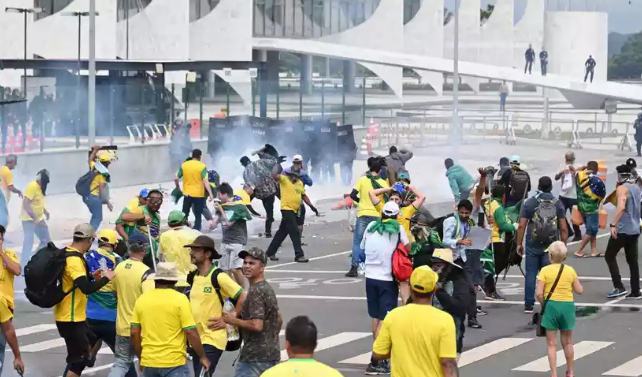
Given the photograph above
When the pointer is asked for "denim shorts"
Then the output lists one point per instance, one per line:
(381, 296)
(591, 223)
(253, 369)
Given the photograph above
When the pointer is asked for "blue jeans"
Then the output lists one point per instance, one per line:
(30, 228)
(124, 357)
(212, 353)
(252, 369)
(95, 206)
(358, 254)
(3, 345)
(182, 371)
(536, 259)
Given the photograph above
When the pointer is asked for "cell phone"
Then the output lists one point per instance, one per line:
(19, 371)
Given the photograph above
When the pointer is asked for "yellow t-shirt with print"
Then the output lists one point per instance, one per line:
(245, 197)
(134, 203)
(291, 193)
(172, 246)
(33, 192)
(72, 308)
(6, 313)
(6, 279)
(193, 172)
(405, 214)
(364, 186)
(422, 335)
(129, 285)
(301, 368)
(564, 289)
(163, 315)
(94, 186)
(6, 180)
(490, 207)
(206, 305)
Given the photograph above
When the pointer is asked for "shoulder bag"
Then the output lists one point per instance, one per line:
(537, 317)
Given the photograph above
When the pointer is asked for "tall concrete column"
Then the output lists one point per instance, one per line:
(349, 69)
(211, 88)
(273, 62)
(306, 74)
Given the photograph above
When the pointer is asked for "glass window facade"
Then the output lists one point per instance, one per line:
(201, 8)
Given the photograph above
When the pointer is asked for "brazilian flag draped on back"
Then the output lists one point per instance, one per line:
(235, 210)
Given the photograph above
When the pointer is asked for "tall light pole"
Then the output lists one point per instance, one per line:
(78, 15)
(25, 12)
(92, 73)
(455, 120)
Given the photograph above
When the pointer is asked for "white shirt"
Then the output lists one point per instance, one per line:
(570, 193)
(379, 249)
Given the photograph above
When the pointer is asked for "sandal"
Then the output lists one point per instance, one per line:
(598, 255)
(579, 255)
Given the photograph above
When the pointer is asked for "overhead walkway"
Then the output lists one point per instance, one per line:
(603, 89)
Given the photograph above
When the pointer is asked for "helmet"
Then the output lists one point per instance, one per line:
(104, 156)
(108, 236)
(143, 193)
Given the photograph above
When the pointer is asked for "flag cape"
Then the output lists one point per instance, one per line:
(235, 210)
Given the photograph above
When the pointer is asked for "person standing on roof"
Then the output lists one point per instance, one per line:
(516, 182)
(543, 61)
(637, 126)
(195, 185)
(99, 161)
(589, 65)
(529, 55)
(396, 163)
(461, 183)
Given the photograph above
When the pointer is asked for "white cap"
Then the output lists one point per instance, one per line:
(297, 158)
(391, 209)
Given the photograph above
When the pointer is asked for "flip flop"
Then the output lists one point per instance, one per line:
(579, 255)
(598, 255)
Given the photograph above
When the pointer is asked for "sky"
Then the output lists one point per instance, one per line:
(624, 18)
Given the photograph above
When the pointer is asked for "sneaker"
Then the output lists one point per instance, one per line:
(385, 366)
(494, 297)
(301, 260)
(474, 324)
(528, 309)
(273, 258)
(352, 273)
(372, 370)
(617, 292)
(634, 296)
(481, 311)
(268, 235)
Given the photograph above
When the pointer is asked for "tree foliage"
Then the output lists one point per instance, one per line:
(484, 14)
(628, 63)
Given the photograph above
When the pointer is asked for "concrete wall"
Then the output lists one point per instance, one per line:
(469, 30)
(530, 29)
(496, 38)
(63, 43)
(136, 165)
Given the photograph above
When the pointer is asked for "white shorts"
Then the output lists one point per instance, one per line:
(230, 257)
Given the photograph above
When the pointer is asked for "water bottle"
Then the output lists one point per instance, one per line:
(232, 331)
(361, 270)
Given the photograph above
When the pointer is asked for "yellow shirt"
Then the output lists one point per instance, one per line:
(94, 186)
(417, 338)
(6, 313)
(72, 308)
(564, 289)
(6, 180)
(172, 246)
(134, 203)
(33, 192)
(245, 197)
(301, 368)
(6, 279)
(291, 193)
(405, 214)
(129, 286)
(163, 315)
(206, 304)
(193, 172)
(364, 186)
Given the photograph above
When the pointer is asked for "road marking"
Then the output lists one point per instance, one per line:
(363, 359)
(632, 368)
(35, 329)
(334, 341)
(311, 259)
(582, 349)
(598, 236)
(490, 349)
(615, 301)
(43, 346)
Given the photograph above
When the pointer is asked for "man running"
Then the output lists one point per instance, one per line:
(234, 232)
(590, 193)
(98, 161)
(195, 184)
(9, 269)
(258, 174)
(6, 177)
(625, 232)
(461, 183)
(33, 215)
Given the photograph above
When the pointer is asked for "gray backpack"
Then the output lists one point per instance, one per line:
(544, 222)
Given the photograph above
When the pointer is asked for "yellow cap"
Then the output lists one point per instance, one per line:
(108, 236)
(423, 279)
(104, 156)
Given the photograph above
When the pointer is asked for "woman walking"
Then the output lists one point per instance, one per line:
(560, 307)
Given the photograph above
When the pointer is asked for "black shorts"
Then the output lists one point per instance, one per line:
(78, 339)
(382, 296)
(300, 217)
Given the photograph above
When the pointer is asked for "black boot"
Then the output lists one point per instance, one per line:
(352, 273)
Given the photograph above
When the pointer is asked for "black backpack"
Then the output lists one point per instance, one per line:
(83, 185)
(43, 275)
(518, 184)
(231, 345)
(544, 222)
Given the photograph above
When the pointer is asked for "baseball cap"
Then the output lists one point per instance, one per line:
(423, 279)
(515, 159)
(138, 237)
(175, 217)
(255, 253)
(391, 209)
(166, 271)
(83, 231)
(206, 243)
(108, 236)
(143, 193)
(297, 158)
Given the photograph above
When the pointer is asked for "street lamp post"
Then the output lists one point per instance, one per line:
(25, 12)
(78, 15)
(455, 120)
